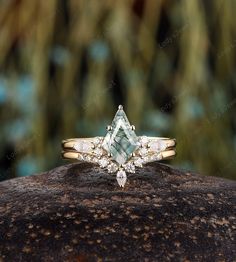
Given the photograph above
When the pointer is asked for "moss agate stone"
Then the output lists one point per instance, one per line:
(121, 141)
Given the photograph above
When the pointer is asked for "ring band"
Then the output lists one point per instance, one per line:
(121, 150)
(167, 154)
(84, 145)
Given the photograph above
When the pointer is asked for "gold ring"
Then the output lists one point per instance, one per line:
(121, 151)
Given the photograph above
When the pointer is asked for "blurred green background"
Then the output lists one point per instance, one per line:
(65, 66)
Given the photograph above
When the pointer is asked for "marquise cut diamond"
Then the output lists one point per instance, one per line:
(83, 146)
(121, 178)
(158, 145)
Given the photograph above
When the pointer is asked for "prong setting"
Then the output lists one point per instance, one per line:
(109, 128)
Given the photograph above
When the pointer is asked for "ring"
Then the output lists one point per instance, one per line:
(121, 151)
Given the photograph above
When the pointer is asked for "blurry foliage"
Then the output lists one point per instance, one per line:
(66, 65)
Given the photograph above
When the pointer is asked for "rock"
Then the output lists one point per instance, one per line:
(78, 212)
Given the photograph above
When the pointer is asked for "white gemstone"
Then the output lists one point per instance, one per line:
(121, 178)
(143, 151)
(129, 167)
(88, 158)
(83, 146)
(80, 157)
(139, 162)
(157, 145)
(144, 140)
(98, 151)
(95, 160)
(112, 168)
(146, 159)
(155, 157)
(103, 162)
(97, 141)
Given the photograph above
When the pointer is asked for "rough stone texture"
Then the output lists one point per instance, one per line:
(78, 213)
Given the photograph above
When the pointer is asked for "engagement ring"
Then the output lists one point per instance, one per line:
(121, 151)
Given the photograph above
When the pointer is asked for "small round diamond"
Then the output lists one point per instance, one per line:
(143, 151)
(129, 167)
(98, 151)
(97, 141)
(88, 158)
(144, 141)
(112, 168)
(103, 162)
(139, 162)
(95, 160)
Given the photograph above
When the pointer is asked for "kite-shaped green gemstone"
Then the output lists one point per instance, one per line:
(121, 141)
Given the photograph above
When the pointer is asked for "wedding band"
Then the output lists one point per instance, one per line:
(167, 154)
(121, 151)
(87, 144)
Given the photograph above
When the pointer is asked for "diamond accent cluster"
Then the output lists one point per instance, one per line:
(121, 151)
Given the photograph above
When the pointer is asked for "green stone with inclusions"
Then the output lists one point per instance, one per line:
(121, 141)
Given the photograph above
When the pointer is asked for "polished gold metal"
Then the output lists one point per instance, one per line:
(70, 155)
(168, 154)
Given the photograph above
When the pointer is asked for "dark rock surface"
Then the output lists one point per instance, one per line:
(77, 212)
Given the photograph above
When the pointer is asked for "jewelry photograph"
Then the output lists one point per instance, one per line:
(117, 131)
